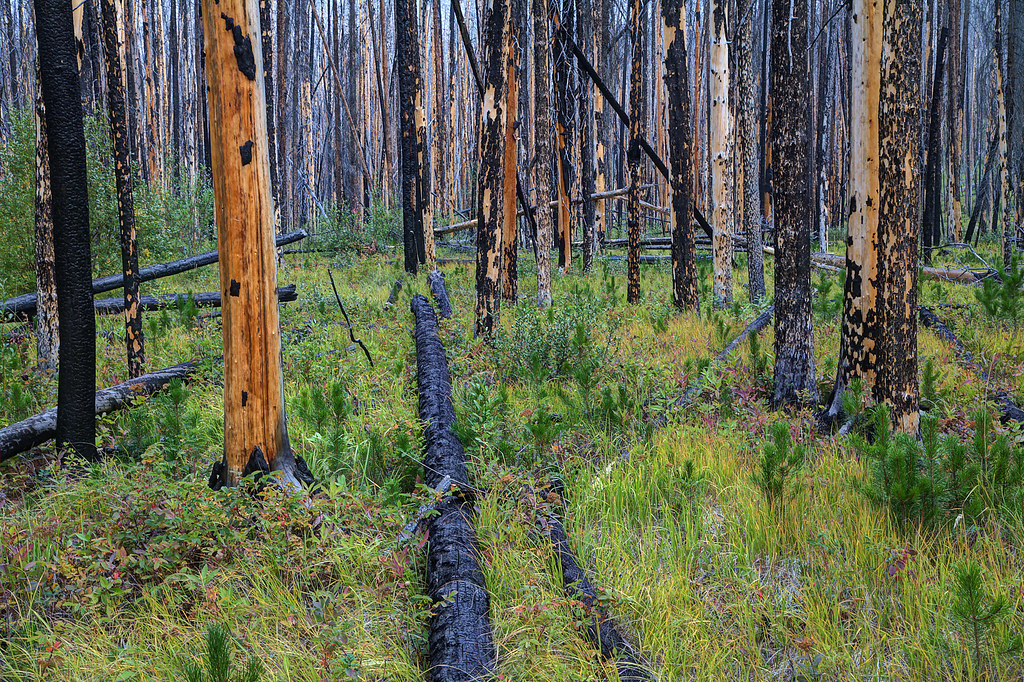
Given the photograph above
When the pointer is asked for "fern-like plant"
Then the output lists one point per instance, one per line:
(218, 661)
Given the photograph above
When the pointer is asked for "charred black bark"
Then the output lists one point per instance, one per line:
(21, 304)
(603, 635)
(436, 282)
(1010, 411)
(638, 104)
(931, 232)
(36, 430)
(135, 346)
(677, 89)
(461, 645)
(409, 87)
(76, 383)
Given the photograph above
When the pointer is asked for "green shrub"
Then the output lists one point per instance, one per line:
(1004, 300)
(780, 460)
(218, 661)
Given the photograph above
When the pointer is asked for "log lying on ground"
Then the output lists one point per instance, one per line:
(461, 645)
(602, 634)
(36, 430)
(1009, 409)
(203, 299)
(19, 305)
(444, 306)
(957, 276)
(393, 296)
(694, 389)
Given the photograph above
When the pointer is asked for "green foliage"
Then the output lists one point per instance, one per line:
(480, 419)
(978, 615)
(343, 231)
(1004, 300)
(780, 461)
(218, 661)
(827, 298)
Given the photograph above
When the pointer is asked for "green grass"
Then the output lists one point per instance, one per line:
(116, 575)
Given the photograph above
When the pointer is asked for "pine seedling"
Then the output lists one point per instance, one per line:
(218, 661)
(978, 613)
(780, 460)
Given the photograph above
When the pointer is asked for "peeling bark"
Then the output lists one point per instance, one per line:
(47, 331)
(637, 123)
(721, 157)
(542, 172)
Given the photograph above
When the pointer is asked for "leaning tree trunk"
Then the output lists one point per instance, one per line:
(133, 337)
(721, 156)
(490, 193)
(58, 74)
(858, 344)
(410, 88)
(748, 181)
(47, 331)
(637, 123)
(542, 173)
(790, 102)
(255, 432)
(684, 255)
(899, 218)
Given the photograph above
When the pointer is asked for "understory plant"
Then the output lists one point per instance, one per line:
(780, 461)
(218, 661)
(978, 615)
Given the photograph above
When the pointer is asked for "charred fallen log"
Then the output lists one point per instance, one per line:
(1009, 409)
(444, 306)
(36, 430)
(461, 645)
(20, 305)
(603, 635)
(203, 299)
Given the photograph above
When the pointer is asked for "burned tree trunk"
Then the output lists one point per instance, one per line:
(565, 114)
(587, 131)
(858, 344)
(461, 646)
(76, 383)
(790, 101)
(410, 88)
(491, 190)
(542, 173)
(509, 241)
(134, 341)
(721, 156)
(637, 121)
(931, 227)
(267, 41)
(684, 253)
(47, 330)
(747, 180)
(255, 432)
(899, 218)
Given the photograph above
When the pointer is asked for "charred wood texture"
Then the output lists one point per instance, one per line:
(410, 87)
(931, 229)
(461, 646)
(203, 299)
(436, 282)
(20, 304)
(58, 72)
(1009, 409)
(133, 337)
(491, 189)
(47, 332)
(790, 97)
(899, 219)
(638, 102)
(684, 254)
(36, 430)
(603, 635)
(542, 172)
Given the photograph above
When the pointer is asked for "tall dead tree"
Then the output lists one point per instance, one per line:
(931, 232)
(1004, 196)
(47, 330)
(790, 104)
(858, 345)
(112, 49)
(684, 255)
(747, 178)
(565, 115)
(721, 155)
(255, 432)
(65, 132)
(899, 217)
(491, 188)
(587, 133)
(509, 233)
(954, 125)
(410, 89)
(542, 170)
(637, 123)
(267, 42)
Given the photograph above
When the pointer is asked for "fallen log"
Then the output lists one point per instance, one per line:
(18, 305)
(460, 642)
(1009, 409)
(203, 299)
(694, 389)
(40, 428)
(957, 276)
(444, 306)
(393, 296)
(604, 636)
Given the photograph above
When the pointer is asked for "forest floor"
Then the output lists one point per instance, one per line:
(116, 574)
